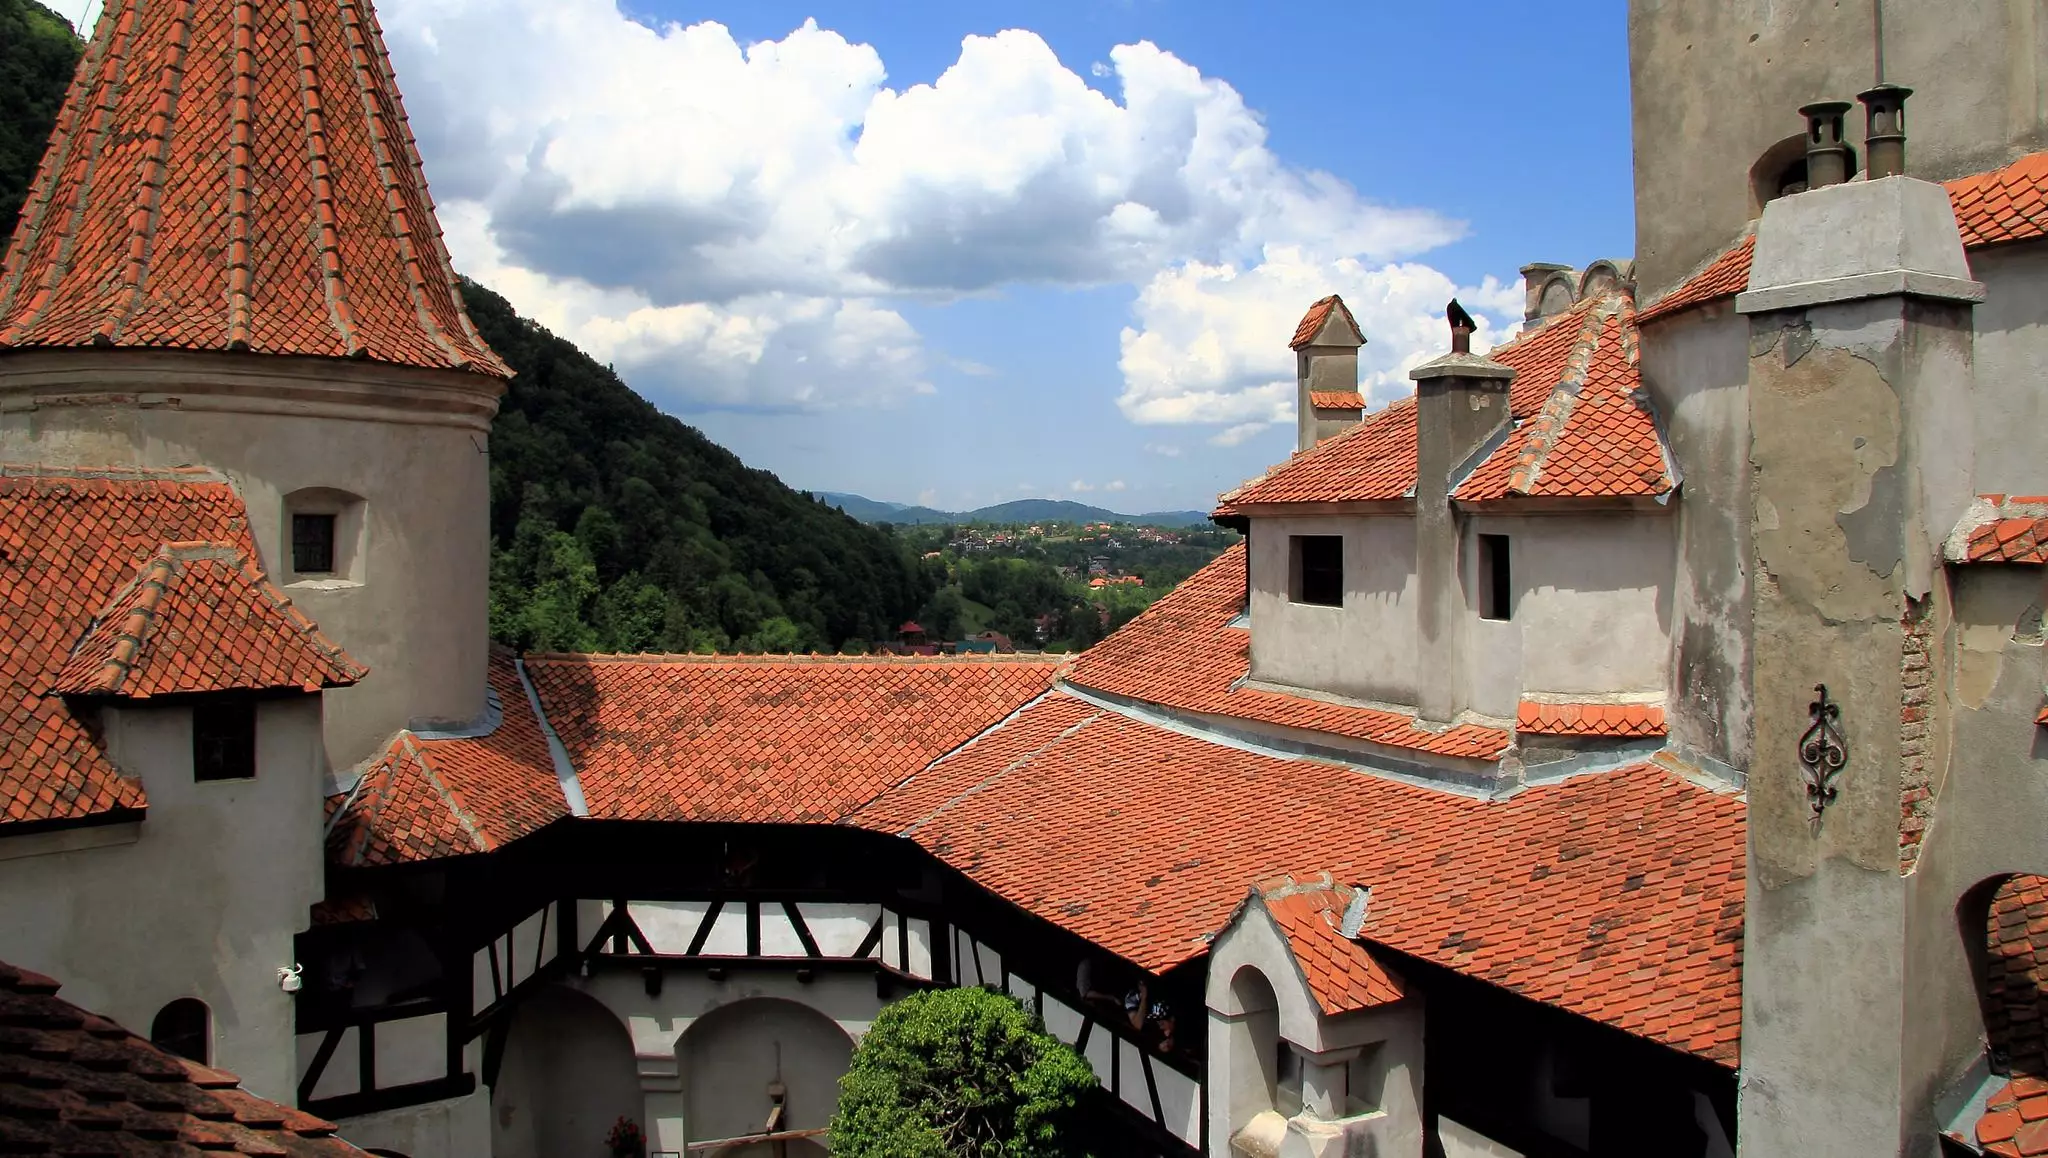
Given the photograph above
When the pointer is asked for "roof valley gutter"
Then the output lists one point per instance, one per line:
(565, 772)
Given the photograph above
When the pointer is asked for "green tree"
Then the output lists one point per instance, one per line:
(961, 1073)
(38, 52)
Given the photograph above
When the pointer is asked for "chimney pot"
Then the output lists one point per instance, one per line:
(1827, 155)
(1884, 134)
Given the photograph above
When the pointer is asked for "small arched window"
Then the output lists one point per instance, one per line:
(184, 1027)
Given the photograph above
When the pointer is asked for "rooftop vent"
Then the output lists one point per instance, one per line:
(1884, 137)
(1827, 155)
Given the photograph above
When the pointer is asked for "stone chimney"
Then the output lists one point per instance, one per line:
(1325, 347)
(1461, 403)
(1548, 289)
(1861, 355)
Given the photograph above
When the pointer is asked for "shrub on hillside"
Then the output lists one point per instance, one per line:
(961, 1073)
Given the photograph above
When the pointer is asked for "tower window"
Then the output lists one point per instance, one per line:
(1315, 569)
(224, 740)
(184, 1027)
(1495, 587)
(313, 544)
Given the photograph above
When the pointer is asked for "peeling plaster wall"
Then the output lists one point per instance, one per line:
(204, 903)
(1696, 367)
(1717, 82)
(2012, 365)
(1848, 1009)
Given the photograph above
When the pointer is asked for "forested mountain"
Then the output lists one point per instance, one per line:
(38, 52)
(1016, 511)
(615, 527)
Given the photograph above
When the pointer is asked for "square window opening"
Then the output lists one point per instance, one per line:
(313, 544)
(224, 740)
(1316, 569)
(1496, 588)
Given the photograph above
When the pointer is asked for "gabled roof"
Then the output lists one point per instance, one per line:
(201, 616)
(1319, 313)
(786, 739)
(2001, 529)
(427, 798)
(1341, 974)
(233, 176)
(73, 1082)
(70, 541)
(1582, 428)
(1616, 895)
(1182, 653)
(2007, 204)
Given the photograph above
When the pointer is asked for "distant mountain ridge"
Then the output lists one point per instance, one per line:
(869, 510)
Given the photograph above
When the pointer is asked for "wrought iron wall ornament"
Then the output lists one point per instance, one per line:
(1822, 751)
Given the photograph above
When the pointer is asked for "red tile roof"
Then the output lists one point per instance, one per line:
(2004, 205)
(1340, 973)
(1336, 400)
(202, 617)
(2015, 1121)
(1617, 895)
(236, 176)
(430, 798)
(2001, 529)
(1181, 653)
(1583, 429)
(1545, 719)
(69, 543)
(1312, 321)
(74, 1083)
(772, 739)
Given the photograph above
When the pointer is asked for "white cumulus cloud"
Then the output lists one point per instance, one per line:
(739, 225)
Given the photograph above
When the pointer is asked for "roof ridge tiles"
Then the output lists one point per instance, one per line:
(149, 189)
(1549, 422)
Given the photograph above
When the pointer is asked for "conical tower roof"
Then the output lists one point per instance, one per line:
(234, 175)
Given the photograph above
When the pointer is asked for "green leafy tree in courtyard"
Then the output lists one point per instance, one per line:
(961, 1073)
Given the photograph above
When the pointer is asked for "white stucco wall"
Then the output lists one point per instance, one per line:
(2011, 362)
(412, 446)
(453, 1128)
(1591, 613)
(204, 903)
(568, 1073)
(1365, 649)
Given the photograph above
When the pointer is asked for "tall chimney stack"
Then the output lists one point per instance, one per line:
(1461, 402)
(1827, 155)
(1885, 131)
(1325, 345)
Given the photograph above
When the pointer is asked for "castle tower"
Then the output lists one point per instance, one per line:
(254, 281)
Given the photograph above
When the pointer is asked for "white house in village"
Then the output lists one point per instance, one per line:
(1627, 743)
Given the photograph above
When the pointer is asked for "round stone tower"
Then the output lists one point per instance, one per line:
(229, 259)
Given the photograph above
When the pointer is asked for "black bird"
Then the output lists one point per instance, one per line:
(1460, 320)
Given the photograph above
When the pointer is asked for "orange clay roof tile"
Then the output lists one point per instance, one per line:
(2015, 1003)
(228, 175)
(2004, 205)
(2002, 529)
(70, 542)
(430, 798)
(76, 1083)
(1312, 321)
(771, 739)
(199, 617)
(1583, 429)
(1181, 653)
(1617, 895)
(1336, 400)
(1547, 719)
(1341, 973)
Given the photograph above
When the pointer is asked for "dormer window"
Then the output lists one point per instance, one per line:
(313, 544)
(224, 739)
(1315, 569)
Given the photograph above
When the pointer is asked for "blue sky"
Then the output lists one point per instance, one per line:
(1069, 269)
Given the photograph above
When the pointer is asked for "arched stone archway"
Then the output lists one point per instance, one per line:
(568, 1073)
(733, 1059)
(1254, 1052)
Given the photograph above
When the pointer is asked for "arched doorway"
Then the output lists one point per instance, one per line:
(739, 1059)
(568, 1073)
(184, 1027)
(2010, 952)
(1256, 1077)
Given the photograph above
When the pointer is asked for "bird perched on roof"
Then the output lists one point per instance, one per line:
(1460, 320)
